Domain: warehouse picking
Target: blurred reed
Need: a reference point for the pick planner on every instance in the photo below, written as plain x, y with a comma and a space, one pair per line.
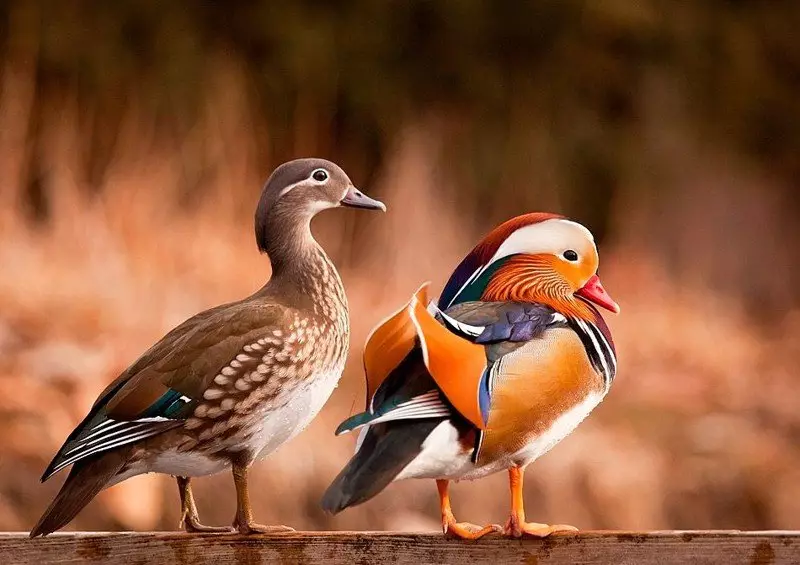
113, 231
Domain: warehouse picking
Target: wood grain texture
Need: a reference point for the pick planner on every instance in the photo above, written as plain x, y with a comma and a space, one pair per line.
621, 548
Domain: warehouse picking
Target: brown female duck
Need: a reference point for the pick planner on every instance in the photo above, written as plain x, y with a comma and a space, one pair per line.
231, 384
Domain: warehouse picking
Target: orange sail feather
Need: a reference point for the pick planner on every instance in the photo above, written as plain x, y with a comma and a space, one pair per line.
456, 365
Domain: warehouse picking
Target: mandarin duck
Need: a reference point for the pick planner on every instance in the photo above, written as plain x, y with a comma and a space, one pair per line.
512, 357
231, 384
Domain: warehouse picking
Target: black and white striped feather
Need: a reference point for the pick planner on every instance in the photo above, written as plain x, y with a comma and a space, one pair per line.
104, 434
600, 352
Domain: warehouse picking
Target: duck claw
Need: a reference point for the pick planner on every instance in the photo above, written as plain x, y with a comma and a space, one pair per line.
517, 529
466, 530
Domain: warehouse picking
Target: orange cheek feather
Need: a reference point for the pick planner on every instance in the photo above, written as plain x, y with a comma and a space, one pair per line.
538, 278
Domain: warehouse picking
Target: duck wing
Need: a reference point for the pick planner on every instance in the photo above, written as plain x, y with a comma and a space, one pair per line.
458, 347
410, 393
160, 390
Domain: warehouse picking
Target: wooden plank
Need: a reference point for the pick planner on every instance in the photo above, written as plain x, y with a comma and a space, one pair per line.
623, 548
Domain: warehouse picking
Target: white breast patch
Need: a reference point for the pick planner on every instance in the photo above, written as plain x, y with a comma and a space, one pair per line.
443, 457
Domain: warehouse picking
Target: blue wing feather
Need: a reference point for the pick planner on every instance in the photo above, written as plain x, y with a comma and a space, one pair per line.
485, 395
170, 405
519, 322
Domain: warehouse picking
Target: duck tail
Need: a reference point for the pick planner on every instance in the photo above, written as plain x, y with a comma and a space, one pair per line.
86, 478
385, 451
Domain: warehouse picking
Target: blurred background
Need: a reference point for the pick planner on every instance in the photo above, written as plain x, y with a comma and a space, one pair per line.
135, 137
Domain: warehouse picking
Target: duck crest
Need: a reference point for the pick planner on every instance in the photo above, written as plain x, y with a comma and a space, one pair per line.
522, 278
470, 278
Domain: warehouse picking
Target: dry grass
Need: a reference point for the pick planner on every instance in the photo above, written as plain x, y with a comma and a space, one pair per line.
700, 429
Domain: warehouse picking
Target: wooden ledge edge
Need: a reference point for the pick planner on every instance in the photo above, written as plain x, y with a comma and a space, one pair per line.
333, 535
660, 547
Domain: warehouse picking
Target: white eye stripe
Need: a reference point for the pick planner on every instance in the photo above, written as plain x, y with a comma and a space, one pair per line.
309, 180
545, 237
290, 187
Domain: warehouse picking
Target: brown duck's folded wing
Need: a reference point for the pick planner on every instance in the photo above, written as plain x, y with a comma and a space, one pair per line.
159, 350
163, 386
189, 366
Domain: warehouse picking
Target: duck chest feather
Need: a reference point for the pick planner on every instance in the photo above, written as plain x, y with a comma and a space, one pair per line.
542, 392
274, 386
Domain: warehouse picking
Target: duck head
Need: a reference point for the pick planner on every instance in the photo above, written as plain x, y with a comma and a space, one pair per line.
296, 191
537, 257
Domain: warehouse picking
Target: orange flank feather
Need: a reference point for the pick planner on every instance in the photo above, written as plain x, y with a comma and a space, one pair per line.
535, 385
455, 364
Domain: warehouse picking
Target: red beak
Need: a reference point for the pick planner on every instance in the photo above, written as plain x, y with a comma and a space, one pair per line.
593, 291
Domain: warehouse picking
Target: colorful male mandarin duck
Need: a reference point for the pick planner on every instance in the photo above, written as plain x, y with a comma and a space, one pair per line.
509, 361
233, 383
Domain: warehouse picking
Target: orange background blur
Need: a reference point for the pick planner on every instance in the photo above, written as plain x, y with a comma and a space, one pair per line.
135, 137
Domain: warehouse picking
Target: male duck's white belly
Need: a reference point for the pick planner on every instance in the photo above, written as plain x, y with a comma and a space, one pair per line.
444, 457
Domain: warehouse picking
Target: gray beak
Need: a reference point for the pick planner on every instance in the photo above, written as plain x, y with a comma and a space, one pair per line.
357, 199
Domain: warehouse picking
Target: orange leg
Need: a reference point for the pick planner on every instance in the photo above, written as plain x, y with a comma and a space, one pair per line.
516, 525
463, 530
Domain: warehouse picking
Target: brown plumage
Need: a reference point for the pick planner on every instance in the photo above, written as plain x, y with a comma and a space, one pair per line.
83, 483
232, 383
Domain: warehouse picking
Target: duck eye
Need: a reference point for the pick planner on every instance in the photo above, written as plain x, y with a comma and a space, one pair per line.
320, 175
570, 255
